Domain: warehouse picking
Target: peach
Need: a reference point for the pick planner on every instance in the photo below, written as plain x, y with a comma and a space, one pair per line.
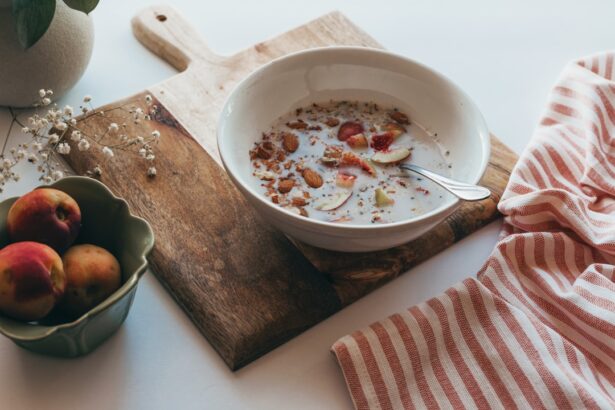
47, 216
32, 280
92, 275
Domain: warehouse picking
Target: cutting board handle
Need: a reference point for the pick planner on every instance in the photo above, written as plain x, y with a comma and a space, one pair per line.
167, 34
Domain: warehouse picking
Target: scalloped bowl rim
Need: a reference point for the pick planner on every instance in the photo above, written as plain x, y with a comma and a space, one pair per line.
133, 278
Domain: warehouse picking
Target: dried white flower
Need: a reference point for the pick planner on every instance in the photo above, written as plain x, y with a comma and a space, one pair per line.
54, 138
83, 145
107, 151
42, 93
46, 101
150, 157
73, 122
151, 172
32, 158
87, 99
113, 127
156, 134
62, 126
25, 130
21, 154
57, 174
47, 179
148, 99
37, 146
63, 148
68, 110
143, 152
75, 136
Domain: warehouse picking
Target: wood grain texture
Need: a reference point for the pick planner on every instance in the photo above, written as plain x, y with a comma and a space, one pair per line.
246, 287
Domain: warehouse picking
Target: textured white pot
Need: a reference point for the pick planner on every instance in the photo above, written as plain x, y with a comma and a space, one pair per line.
55, 62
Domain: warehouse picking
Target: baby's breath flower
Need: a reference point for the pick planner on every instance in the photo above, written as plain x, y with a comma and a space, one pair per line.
25, 130
49, 92
37, 146
148, 99
83, 145
139, 140
156, 134
107, 151
7, 163
151, 172
68, 110
87, 99
57, 174
63, 148
75, 136
46, 101
143, 152
42, 93
54, 138
113, 127
73, 122
62, 126
20, 154
32, 158
150, 157
47, 179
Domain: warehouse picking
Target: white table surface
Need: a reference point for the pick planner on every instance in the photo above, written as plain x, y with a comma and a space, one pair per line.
505, 56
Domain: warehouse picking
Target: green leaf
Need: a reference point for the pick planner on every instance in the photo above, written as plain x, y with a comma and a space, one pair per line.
32, 19
82, 5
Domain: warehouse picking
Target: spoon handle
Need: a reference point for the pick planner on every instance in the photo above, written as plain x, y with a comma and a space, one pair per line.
465, 191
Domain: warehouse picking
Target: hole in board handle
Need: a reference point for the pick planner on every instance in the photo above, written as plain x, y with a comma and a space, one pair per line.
161, 17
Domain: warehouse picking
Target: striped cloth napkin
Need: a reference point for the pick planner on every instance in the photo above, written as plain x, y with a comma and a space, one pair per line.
536, 328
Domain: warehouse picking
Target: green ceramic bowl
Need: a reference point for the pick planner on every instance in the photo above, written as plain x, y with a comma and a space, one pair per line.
106, 222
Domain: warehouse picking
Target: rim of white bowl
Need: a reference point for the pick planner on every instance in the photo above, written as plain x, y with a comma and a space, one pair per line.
484, 136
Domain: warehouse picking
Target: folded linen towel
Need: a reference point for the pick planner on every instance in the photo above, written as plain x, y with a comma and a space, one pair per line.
536, 328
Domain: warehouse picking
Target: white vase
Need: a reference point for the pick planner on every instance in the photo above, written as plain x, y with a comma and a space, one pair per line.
56, 61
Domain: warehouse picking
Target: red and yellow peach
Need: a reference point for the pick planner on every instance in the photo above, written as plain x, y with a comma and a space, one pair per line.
32, 280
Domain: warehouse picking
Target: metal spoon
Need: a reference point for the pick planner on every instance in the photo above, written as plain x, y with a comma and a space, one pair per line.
465, 191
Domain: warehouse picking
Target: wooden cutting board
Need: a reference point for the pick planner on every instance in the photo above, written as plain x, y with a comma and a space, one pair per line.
246, 286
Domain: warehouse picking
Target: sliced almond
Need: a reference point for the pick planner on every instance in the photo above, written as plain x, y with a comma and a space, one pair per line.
391, 157
285, 185
399, 117
312, 178
333, 202
290, 142
297, 125
332, 122
298, 201
265, 175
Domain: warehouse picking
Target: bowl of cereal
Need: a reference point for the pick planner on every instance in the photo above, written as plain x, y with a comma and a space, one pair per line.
314, 141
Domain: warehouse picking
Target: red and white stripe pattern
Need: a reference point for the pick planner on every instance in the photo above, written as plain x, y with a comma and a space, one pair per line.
536, 328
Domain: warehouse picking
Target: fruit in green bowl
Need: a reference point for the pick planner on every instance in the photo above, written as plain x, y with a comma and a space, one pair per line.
32, 280
92, 275
45, 215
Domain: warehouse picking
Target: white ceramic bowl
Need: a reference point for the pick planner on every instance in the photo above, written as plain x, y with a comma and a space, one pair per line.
351, 73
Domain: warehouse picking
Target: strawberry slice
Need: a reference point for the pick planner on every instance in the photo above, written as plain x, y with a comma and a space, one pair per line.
382, 142
348, 129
